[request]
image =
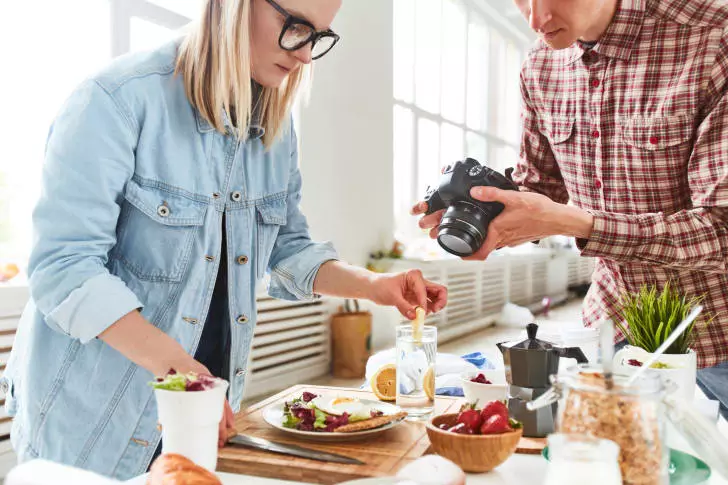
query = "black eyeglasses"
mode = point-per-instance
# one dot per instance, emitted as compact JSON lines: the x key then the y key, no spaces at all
{"x":298,"y":32}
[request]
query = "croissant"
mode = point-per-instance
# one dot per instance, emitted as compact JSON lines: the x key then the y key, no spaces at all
{"x":173,"y":469}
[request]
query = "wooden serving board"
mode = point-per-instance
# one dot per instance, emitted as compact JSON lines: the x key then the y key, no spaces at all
{"x":531,"y":446}
{"x":383,"y":454}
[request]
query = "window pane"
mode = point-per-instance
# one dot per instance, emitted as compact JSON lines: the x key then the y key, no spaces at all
{"x":404,"y":168}
{"x":428,"y":151}
{"x":146,"y":35}
{"x":451,"y":148}
{"x":499,"y":50}
{"x":510,"y":99}
{"x":427,"y":58}
{"x":404,"y":49}
{"x":454,"y":20}
{"x":477,"y":147}
{"x":189,"y":8}
{"x":503,"y":156}
{"x":71,"y":41}
{"x":478,"y":89}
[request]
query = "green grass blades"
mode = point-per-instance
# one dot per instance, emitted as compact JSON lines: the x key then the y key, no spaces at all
{"x":651,"y":316}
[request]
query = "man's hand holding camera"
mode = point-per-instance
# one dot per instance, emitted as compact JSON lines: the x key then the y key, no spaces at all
{"x":527,"y":216}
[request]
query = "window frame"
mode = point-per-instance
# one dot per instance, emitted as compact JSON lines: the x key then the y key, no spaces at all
{"x":509,"y":30}
{"x":121,"y":13}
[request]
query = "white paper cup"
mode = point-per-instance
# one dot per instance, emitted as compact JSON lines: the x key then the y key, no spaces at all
{"x":190,"y":422}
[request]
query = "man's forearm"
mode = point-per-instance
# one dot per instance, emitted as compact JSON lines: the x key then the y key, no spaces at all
{"x":695,"y":239}
{"x":149,"y":347}
{"x":571,"y":221}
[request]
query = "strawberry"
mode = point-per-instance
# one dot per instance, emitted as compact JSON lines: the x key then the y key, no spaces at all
{"x":496,"y":424}
{"x":470,"y":417}
{"x":494,"y":408}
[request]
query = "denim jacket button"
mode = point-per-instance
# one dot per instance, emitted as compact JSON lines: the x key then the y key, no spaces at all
{"x":163,"y":211}
{"x":236,"y":196}
{"x":239,"y":372}
{"x":242,"y":260}
{"x":242,"y":319}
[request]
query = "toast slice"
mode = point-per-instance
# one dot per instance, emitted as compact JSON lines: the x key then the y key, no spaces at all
{"x":370,"y":423}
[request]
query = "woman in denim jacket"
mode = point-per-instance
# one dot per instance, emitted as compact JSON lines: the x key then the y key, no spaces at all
{"x":170,"y":188}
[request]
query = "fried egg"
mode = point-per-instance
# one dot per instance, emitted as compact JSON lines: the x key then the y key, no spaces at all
{"x":337,"y":406}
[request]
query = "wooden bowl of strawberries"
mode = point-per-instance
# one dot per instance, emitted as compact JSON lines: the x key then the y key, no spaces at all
{"x":477,"y":440}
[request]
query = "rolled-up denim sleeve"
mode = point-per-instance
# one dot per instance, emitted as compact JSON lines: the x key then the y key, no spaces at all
{"x":89,"y":158}
{"x":296,"y":259}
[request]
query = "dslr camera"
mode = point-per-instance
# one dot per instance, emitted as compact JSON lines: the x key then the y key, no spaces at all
{"x":464,"y":225}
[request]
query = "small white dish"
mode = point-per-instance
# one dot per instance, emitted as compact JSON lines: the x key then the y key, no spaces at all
{"x":485,"y":393}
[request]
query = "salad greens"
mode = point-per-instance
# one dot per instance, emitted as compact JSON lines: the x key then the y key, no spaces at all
{"x":192,"y":381}
{"x":303,"y":415}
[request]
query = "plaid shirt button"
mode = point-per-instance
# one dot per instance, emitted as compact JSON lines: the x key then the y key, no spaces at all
{"x":598,"y":184}
{"x":595,"y":83}
{"x":595,"y":134}
{"x":654,"y":140}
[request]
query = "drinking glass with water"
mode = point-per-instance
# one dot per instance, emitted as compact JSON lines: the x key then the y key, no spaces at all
{"x":416,"y":354}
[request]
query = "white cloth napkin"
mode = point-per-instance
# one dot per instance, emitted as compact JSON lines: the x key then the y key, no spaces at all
{"x":448,"y":369}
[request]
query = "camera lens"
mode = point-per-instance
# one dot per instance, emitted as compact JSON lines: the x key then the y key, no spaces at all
{"x":463,"y":229}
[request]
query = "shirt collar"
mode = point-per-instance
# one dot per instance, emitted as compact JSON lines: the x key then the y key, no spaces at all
{"x":255,"y":129}
{"x":619,"y":38}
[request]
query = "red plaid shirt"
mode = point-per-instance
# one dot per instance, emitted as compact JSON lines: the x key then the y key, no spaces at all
{"x":636,"y":133}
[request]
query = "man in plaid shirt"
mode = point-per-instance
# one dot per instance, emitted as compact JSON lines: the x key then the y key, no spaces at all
{"x":626,"y":117}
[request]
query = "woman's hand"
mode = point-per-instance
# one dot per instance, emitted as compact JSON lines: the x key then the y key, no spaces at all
{"x":227,"y":425}
{"x":406,"y":291}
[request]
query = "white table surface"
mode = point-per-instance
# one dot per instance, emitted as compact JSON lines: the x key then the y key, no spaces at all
{"x":519,"y":469}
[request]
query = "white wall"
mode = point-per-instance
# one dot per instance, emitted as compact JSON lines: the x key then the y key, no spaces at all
{"x":346,"y":135}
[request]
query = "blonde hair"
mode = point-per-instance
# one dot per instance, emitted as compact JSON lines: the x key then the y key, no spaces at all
{"x":214,"y":62}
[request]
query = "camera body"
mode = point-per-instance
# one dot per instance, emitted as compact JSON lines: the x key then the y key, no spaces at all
{"x":464,"y":225}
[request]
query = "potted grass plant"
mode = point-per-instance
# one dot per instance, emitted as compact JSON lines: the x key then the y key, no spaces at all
{"x":646,"y":319}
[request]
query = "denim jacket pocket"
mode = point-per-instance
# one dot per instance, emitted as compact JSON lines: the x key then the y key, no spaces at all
{"x":271,"y":217}
{"x":156,"y":230}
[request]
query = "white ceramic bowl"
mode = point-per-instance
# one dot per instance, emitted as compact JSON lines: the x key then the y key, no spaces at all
{"x":484,"y":393}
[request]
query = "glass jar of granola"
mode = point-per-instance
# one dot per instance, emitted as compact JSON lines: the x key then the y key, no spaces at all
{"x":631,"y":416}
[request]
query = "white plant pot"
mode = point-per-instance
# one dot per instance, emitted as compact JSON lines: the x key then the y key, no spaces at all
{"x":682,"y":372}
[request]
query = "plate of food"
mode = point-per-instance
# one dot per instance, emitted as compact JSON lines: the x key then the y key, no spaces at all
{"x":333,"y":417}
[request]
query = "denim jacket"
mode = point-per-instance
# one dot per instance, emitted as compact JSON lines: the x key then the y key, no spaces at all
{"x":135,"y":184}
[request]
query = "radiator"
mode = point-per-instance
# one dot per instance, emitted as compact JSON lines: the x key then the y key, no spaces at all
{"x":291,"y":344}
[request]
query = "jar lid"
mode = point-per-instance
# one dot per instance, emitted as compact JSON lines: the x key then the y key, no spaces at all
{"x":590,"y":377}
{"x":702,"y":435}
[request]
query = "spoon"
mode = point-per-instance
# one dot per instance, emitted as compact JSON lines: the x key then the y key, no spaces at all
{"x":606,"y":344}
{"x":666,"y":344}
